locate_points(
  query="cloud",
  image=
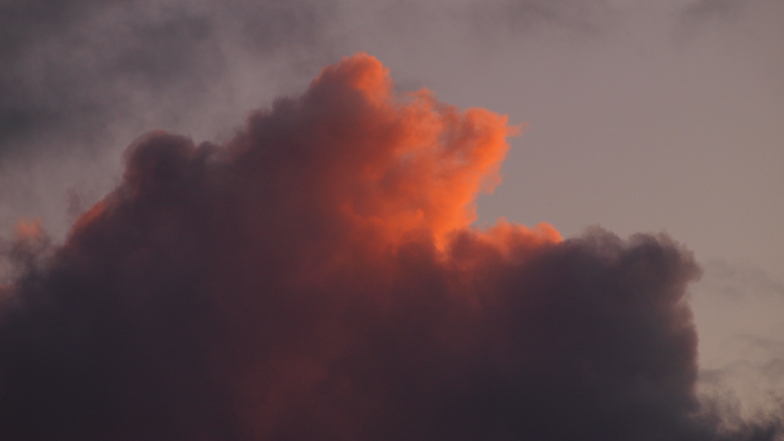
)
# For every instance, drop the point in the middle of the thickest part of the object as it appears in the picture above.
(745, 391)
(741, 349)
(74, 69)
(736, 308)
(759, 20)
(316, 277)
(578, 17)
(706, 9)
(73, 72)
(81, 79)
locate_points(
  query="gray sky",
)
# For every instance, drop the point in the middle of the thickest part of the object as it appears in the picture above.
(641, 117)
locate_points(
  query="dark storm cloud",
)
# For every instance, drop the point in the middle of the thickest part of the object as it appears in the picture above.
(316, 278)
(73, 68)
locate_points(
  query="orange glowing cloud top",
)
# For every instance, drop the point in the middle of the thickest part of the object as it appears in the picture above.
(393, 165)
(318, 277)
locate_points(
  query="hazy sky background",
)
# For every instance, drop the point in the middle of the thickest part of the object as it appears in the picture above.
(641, 117)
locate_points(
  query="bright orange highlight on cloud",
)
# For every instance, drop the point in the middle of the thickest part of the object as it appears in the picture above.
(401, 165)
(317, 278)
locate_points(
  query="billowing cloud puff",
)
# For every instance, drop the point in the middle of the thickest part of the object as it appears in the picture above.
(317, 277)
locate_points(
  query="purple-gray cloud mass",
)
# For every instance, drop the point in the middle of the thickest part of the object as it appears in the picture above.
(218, 291)
(278, 287)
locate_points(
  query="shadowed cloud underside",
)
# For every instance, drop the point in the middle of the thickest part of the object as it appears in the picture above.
(317, 277)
